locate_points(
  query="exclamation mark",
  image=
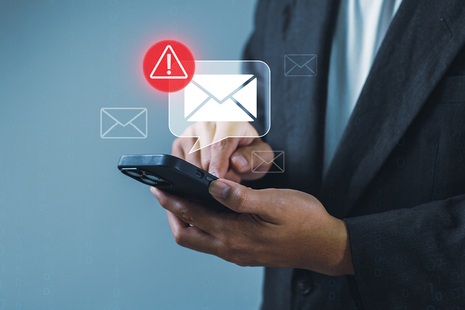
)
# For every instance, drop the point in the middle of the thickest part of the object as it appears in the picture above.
(169, 64)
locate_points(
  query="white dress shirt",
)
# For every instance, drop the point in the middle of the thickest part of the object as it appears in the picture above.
(361, 26)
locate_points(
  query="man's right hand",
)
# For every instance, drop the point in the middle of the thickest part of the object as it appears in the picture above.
(229, 158)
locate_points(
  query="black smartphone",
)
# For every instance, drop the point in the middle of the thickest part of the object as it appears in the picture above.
(173, 175)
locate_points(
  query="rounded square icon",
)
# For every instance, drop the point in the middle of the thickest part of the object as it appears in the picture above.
(224, 91)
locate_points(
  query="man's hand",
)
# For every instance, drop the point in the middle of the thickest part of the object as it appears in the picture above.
(229, 158)
(275, 228)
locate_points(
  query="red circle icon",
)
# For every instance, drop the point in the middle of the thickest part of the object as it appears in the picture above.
(168, 66)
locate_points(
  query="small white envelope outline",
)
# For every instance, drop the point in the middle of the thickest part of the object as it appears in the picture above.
(277, 154)
(106, 111)
(225, 107)
(288, 57)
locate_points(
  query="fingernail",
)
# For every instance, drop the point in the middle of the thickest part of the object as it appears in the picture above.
(240, 161)
(214, 173)
(219, 189)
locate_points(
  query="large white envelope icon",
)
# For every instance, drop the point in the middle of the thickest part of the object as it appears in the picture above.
(221, 98)
(123, 123)
(277, 163)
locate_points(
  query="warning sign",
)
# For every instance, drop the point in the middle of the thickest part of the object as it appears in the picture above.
(168, 66)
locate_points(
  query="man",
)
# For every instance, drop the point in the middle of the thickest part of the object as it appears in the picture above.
(375, 159)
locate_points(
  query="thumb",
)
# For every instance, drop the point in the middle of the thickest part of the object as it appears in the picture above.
(235, 196)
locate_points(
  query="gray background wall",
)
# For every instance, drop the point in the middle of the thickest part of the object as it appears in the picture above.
(74, 232)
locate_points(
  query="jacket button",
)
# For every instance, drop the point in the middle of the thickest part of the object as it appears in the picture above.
(304, 287)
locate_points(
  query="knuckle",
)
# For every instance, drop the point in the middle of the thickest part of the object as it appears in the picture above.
(226, 242)
(214, 166)
(240, 197)
(281, 206)
(235, 257)
(222, 237)
(185, 216)
(214, 163)
(220, 145)
(205, 162)
(230, 242)
(178, 238)
(228, 256)
(234, 243)
(176, 142)
(177, 147)
(241, 259)
(241, 201)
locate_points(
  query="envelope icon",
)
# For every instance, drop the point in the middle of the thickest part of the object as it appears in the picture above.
(277, 162)
(300, 65)
(221, 98)
(123, 123)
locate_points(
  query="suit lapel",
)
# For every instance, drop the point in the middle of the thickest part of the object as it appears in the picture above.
(301, 27)
(416, 52)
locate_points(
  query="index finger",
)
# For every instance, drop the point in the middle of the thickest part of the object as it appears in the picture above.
(222, 150)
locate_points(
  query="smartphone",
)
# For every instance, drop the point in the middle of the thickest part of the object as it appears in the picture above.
(173, 175)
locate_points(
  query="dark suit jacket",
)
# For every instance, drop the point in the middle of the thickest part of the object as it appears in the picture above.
(398, 175)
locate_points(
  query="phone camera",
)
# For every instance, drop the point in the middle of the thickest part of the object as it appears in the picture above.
(134, 173)
(152, 177)
(149, 181)
(146, 177)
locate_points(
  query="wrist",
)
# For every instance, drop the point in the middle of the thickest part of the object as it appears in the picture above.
(340, 262)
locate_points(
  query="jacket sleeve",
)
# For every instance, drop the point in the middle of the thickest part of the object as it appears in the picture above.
(411, 258)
